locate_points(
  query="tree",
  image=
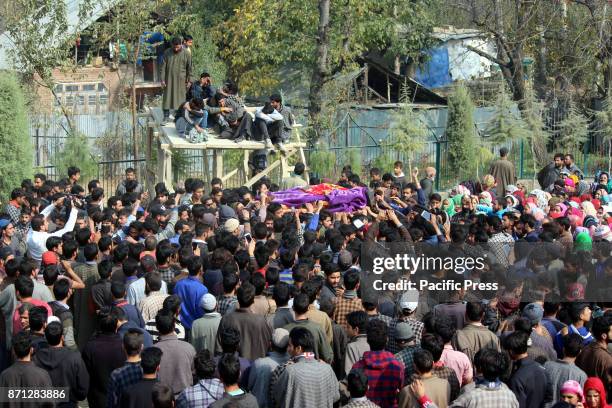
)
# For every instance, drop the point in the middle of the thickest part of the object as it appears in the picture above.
(323, 38)
(460, 133)
(536, 136)
(504, 126)
(408, 134)
(573, 130)
(42, 40)
(604, 123)
(76, 152)
(204, 53)
(126, 24)
(16, 155)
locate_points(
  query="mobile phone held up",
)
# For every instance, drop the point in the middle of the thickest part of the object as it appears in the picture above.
(247, 237)
(426, 215)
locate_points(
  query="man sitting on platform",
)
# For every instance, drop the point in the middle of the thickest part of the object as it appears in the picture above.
(268, 127)
(234, 124)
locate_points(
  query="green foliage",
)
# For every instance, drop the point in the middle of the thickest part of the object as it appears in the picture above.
(537, 136)
(204, 53)
(180, 164)
(16, 154)
(504, 125)
(573, 130)
(352, 157)
(460, 133)
(485, 158)
(76, 152)
(322, 162)
(262, 35)
(384, 161)
(408, 134)
(604, 120)
(38, 30)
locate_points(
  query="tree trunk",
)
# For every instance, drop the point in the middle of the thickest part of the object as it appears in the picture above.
(320, 71)
(133, 106)
(542, 58)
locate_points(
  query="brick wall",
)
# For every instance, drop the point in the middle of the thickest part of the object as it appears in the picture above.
(86, 89)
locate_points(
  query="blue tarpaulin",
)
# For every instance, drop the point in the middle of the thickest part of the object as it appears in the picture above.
(435, 72)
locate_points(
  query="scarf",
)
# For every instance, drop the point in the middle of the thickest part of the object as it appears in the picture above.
(508, 306)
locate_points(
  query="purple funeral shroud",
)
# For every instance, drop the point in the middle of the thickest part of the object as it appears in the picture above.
(339, 200)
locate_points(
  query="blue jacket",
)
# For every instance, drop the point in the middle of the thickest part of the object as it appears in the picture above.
(190, 290)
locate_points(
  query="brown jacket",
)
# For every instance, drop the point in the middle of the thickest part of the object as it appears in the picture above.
(255, 333)
(472, 338)
(595, 360)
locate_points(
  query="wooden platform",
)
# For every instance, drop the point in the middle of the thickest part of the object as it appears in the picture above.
(168, 140)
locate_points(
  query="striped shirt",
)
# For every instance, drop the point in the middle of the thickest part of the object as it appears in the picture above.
(179, 330)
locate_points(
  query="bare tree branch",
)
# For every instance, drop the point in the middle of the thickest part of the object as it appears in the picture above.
(488, 56)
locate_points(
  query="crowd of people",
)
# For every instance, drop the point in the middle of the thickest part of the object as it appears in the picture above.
(223, 297)
(198, 105)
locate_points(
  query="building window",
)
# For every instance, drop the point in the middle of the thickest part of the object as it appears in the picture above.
(101, 87)
(81, 100)
(103, 100)
(59, 88)
(92, 100)
(69, 101)
(89, 87)
(72, 88)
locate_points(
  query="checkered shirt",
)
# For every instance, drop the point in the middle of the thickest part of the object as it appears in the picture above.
(344, 306)
(483, 396)
(388, 321)
(120, 379)
(361, 403)
(13, 212)
(226, 304)
(501, 244)
(415, 325)
(385, 377)
(406, 356)
(204, 393)
(152, 304)
(276, 375)
(167, 274)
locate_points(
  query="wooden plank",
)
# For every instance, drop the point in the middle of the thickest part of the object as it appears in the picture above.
(245, 165)
(259, 176)
(229, 175)
(218, 166)
(302, 156)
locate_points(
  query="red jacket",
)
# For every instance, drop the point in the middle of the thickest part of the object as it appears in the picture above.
(385, 377)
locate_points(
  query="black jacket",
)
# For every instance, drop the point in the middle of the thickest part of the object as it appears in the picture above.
(102, 354)
(529, 384)
(66, 369)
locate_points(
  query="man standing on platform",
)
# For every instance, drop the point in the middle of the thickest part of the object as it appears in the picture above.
(175, 76)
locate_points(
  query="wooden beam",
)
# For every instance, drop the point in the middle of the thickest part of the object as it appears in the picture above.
(229, 175)
(268, 169)
(259, 176)
(218, 163)
(245, 165)
(302, 155)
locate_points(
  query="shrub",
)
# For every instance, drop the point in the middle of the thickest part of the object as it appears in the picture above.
(16, 154)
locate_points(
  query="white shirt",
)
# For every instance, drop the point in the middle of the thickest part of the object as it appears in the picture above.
(37, 240)
(136, 291)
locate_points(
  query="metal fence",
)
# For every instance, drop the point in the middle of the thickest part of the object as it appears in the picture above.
(111, 142)
(109, 137)
(369, 141)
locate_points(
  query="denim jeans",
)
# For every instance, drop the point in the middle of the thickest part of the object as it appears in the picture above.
(183, 127)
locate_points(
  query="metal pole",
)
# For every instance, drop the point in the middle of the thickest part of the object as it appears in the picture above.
(438, 172)
(522, 158)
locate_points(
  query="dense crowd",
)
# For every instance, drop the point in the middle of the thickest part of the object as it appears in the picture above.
(209, 296)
